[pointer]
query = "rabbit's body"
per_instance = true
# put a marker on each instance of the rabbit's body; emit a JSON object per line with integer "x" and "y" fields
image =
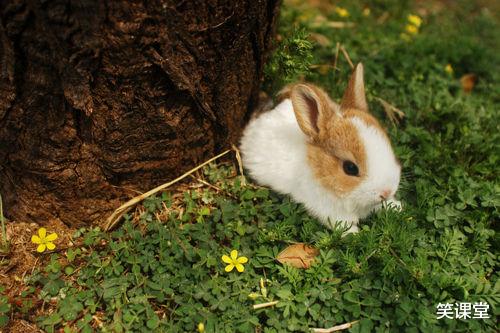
{"x": 336, "y": 160}
{"x": 274, "y": 151}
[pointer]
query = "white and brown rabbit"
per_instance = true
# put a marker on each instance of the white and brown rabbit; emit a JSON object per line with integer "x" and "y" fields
{"x": 335, "y": 159}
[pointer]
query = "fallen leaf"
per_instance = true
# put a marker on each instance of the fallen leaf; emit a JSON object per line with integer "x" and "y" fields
{"x": 298, "y": 255}
{"x": 468, "y": 81}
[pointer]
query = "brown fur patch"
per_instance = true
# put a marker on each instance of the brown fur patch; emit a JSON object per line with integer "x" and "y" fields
{"x": 339, "y": 142}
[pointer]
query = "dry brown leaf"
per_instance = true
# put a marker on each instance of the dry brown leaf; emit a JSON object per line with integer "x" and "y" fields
{"x": 335, "y": 328}
{"x": 298, "y": 255}
{"x": 468, "y": 81}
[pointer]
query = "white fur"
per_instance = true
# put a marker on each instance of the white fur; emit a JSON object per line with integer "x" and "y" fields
{"x": 274, "y": 151}
{"x": 383, "y": 170}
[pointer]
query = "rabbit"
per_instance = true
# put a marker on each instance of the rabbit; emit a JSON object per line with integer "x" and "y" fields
{"x": 335, "y": 159}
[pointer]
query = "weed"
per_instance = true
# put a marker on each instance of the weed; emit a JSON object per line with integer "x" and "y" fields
{"x": 4, "y": 308}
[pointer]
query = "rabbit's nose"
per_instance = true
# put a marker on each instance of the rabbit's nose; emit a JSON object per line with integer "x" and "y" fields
{"x": 384, "y": 194}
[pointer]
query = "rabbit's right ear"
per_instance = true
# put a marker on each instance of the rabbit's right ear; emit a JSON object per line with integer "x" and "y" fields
{"x": 312, "y": 107}
{"x": 354, "y": 95}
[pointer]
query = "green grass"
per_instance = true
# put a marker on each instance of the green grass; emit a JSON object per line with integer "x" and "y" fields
{"x": 166, "y": 275}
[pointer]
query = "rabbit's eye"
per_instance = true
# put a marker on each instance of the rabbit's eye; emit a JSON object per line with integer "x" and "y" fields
{"x": 350, "y": 168}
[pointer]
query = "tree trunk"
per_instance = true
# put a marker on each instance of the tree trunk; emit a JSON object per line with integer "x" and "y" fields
{"x": 99, "y": 98}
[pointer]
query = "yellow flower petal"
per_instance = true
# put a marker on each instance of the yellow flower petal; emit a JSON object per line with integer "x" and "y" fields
{"x": 35, "y": 239}
{"x": 415, "y": 20}
{"x": 229, "y": 268}
{"x": 242, "y": 260}
{"x": 52, "y": 237}
{"x": 448, "y": 69}
{"x": 240, "y": 268}
{"x": 342, "y": 12}
{"x": 40, "y": 248}
{"x": 50, "y": 246}
{"x": 226, "y": 259}
{"x": 234, "y": 254}
{"x": 42, "y": 232}
{"x": 411, "y": 29}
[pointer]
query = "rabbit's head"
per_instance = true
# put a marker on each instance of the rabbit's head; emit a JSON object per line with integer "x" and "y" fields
{"x": 348, "y": 151}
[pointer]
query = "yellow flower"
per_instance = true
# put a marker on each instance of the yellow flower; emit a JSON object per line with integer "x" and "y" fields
{"x": 263, "y": 289}
{"x": 201, "y": 327}
{"x": 366, "y": 11}
{"x": 411, "y": 29}
{"x": 262, "y": 283}
{"x": 342, "y": 12}
{"x": 448, "y": 69}
{"x": 43, "y": 240}
{"x": 234, "y": 261}
{"x": 415, "y": 20}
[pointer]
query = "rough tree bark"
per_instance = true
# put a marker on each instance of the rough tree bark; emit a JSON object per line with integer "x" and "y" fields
{"x": 98, "y": 97}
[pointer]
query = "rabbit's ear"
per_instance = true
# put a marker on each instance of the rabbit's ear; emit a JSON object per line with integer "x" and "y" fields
{"x": 312, "y": 107}
{"x": 354, "y": 96}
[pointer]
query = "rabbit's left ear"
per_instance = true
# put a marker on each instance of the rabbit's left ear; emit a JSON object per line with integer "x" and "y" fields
{"x": 354, "y": 96}
{"x": 313, "y": 108}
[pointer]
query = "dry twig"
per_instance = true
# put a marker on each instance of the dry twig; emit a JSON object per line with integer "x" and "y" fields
{"x": 240, "y": 165}
{"x": 346, "y": 55}
{"x": 216, "y": 188}
{"x": 333, "y": 24}
{"x": 264, "y": 305}
{"x": 335, "y": 328}
{"x": 391, "y": 111}
{"x": 115, "y": 218}
{"x": 337, "y": 49}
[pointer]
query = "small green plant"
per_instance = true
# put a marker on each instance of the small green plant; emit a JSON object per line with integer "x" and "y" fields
{"x": 290, "y": 60}
{"x": 4, "y": 308}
